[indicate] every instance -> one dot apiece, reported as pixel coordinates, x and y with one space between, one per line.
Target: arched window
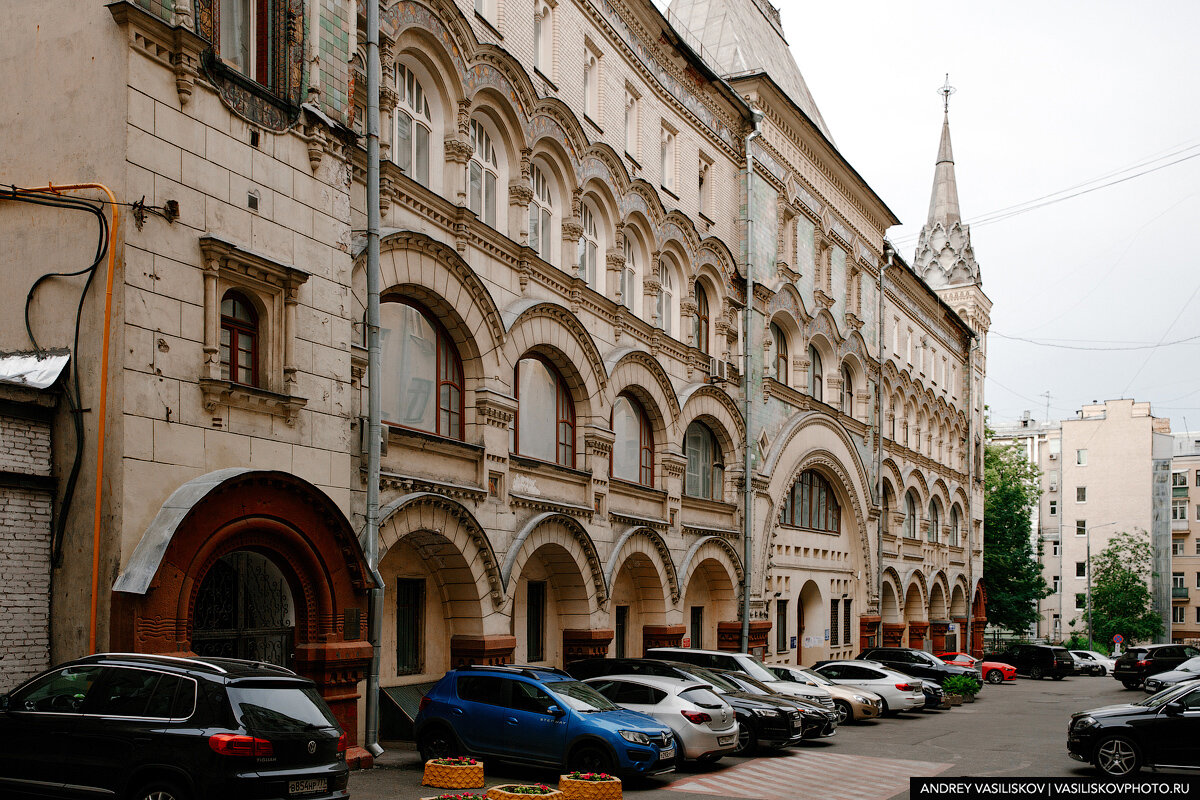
816 374
780 349
589 246
666 298
239 340
423 377
591 85
954 526
483 170
847 392
910 515
705 472
629 276
700 334
633 447
543 37
811 503
934 522
413 126
543 395
541 210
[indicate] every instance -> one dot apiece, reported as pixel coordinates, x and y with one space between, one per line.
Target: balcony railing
1179 593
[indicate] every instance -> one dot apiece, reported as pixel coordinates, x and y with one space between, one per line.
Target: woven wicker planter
453 776
573 789
502 793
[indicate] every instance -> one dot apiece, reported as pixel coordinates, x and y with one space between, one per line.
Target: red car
992 671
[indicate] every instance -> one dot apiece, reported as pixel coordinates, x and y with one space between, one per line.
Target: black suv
917 663
145 727
1037 660
1141 661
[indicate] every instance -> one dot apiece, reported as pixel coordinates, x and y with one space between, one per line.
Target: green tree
1010 567
1121 601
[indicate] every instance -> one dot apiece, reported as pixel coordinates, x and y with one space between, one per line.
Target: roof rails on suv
221 666
528 670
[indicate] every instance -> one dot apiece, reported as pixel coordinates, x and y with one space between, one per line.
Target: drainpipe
374 394
879 528
971 456
748 500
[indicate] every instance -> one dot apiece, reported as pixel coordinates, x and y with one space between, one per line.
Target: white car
705 726
898 691
1094 659
743 662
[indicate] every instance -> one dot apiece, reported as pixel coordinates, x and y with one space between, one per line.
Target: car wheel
1131 684
1117 756
747 742
844 711
590 758
883 708
995 676
437 742
160 790
1103 671
1036 673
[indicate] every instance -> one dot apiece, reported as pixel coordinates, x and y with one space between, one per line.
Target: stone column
491 650
581 643
916 634
868 632
496 411
937 632
893 634
597 447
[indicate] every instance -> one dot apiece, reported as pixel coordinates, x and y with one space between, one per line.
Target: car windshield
1167 695
751 685
815 677
961 658
1191 665
719 682
580 697
756 669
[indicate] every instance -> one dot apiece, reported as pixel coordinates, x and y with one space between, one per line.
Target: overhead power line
1110 347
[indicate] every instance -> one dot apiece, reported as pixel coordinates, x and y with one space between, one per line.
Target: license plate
307 786
724 740
665 753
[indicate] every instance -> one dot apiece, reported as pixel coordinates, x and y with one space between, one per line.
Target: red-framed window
422 371
543 394
633 447
812 504
239 340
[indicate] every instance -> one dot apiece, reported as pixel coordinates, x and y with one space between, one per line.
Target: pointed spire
943 203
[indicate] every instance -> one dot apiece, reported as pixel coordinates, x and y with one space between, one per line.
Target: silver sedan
898 691
705 726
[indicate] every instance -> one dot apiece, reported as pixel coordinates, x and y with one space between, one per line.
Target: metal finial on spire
945 92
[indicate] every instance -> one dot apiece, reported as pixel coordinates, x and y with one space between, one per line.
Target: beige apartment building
566 379
1103 472
1185 538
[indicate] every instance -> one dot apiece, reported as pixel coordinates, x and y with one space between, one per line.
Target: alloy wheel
844 712
1117 756
995 676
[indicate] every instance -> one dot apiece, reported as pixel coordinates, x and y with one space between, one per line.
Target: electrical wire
1119 348
74 403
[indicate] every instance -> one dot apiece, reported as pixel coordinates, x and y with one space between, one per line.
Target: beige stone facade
563 272
1185 539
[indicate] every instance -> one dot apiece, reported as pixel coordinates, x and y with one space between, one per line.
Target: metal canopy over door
244 610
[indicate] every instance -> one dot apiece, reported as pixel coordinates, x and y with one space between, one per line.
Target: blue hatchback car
539 716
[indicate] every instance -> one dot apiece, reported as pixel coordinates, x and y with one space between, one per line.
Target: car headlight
637 737
765 712
858 698
1086 722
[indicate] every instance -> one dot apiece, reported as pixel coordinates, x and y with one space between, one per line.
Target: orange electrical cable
108 287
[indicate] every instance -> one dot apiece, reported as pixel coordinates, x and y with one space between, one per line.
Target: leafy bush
960 684
590 776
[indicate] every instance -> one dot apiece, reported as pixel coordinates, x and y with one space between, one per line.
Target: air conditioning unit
721 371
1054 456
1053 486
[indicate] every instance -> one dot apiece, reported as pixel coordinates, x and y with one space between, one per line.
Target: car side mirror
3 702
556 711
1175 708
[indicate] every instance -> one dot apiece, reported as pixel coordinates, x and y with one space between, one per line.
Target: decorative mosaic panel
806 197
163 9
837 282
543 125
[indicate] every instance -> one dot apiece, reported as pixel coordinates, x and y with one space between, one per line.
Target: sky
1050 96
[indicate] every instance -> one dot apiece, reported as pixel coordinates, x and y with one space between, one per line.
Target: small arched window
955 524
239 340
543 37
422 384
589 246
413 126
934 522
705 473
666 298
780 349
629 276
541 211
816 374
543 395
811 503
633 446
847 392
910 515
482 173
700 334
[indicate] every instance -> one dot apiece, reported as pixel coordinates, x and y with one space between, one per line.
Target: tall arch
557 529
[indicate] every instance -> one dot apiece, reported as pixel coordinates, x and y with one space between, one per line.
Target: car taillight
233 744
696 716
904 687
341 748
1144 662
421 706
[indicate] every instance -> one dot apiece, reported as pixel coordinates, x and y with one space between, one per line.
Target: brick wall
25 515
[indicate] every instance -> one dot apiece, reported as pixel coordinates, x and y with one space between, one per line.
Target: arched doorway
244 609
811 623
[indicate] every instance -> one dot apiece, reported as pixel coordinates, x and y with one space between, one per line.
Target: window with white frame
632 107
847 392
1080 601
1177 580
1081 527
1080 494
780 354
816 374
704 189
1055 549
1177 614
483 170
1177 547
1179 509
955 525
910 515
541 214
1198 546
410 149
666 297
701 320
249 41
1053 508
667 158
1198 516
631 274
1081 457
487 10
589 246
543 38
934 533
1179 479
1080 569
591 85
1055 584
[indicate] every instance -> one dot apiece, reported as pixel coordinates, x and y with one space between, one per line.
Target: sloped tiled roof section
746 36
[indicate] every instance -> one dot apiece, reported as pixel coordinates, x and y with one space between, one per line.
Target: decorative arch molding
941 492
789 301
940 581
855 346
493 68
719 546
627 545
714 253
916 480
439 18
519 553
641 197
890 469
803 421
677 227
552 118
916 576
823 324
576 339
447 517
627 359
704 399
601 162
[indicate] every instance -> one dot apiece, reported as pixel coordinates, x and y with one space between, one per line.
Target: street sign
687 642
793 642
1118 638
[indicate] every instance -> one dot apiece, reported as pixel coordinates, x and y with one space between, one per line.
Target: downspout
748 498
103 404
972 454
374 394
879 528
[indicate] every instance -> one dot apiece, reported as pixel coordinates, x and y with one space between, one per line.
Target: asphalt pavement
1014 729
